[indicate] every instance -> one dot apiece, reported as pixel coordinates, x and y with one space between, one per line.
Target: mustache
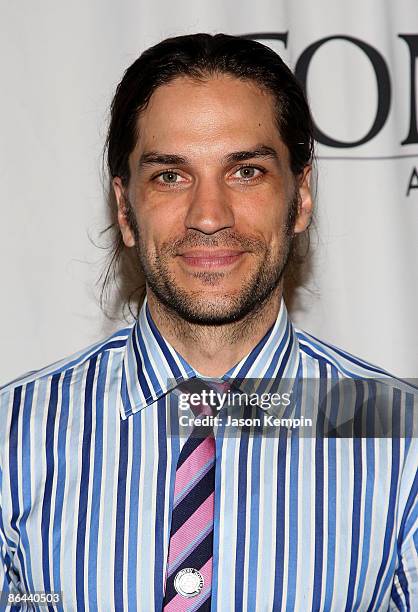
224 239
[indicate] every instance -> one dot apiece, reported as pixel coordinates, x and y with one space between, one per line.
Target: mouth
213 258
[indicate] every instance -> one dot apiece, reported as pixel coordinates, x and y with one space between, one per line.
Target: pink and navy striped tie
189 567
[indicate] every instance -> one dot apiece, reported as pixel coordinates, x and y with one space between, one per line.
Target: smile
211 258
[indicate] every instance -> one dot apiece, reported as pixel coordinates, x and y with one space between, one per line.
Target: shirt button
188 582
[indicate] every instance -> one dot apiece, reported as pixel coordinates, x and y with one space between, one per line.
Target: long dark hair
197 56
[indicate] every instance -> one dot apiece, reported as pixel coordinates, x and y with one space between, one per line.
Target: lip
211 258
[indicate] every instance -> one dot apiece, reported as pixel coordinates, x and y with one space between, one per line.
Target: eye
169 177
248 173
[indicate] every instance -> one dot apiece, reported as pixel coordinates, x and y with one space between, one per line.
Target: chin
211 312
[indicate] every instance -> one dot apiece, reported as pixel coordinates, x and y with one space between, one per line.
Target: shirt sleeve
8 577
404 596
405 585
5 560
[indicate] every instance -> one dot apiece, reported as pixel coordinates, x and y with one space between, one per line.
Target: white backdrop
60 63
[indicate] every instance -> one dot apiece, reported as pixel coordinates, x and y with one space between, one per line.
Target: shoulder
33 405
73 363
319 353
356 393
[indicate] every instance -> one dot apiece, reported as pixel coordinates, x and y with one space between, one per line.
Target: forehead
220 111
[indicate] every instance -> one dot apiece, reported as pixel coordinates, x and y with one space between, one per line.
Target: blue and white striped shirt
88 463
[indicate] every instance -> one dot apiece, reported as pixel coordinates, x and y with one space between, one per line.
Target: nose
209 209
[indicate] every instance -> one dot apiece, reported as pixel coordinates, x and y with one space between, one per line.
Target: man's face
210 192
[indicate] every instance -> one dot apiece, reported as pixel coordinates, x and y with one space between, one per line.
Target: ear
305 207
123 214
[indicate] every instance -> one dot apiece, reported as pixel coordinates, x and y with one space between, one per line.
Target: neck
213 349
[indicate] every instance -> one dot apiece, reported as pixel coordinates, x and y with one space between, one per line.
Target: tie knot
204 397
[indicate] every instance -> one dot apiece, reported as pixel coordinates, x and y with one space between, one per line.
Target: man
110 500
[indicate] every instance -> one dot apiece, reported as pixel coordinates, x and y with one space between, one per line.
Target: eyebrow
153 158
259 151
164 159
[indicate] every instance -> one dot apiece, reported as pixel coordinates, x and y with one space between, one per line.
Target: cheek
156 228
265 216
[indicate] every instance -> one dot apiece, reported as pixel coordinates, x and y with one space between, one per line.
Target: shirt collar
152 367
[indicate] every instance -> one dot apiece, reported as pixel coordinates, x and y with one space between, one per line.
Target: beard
200 307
